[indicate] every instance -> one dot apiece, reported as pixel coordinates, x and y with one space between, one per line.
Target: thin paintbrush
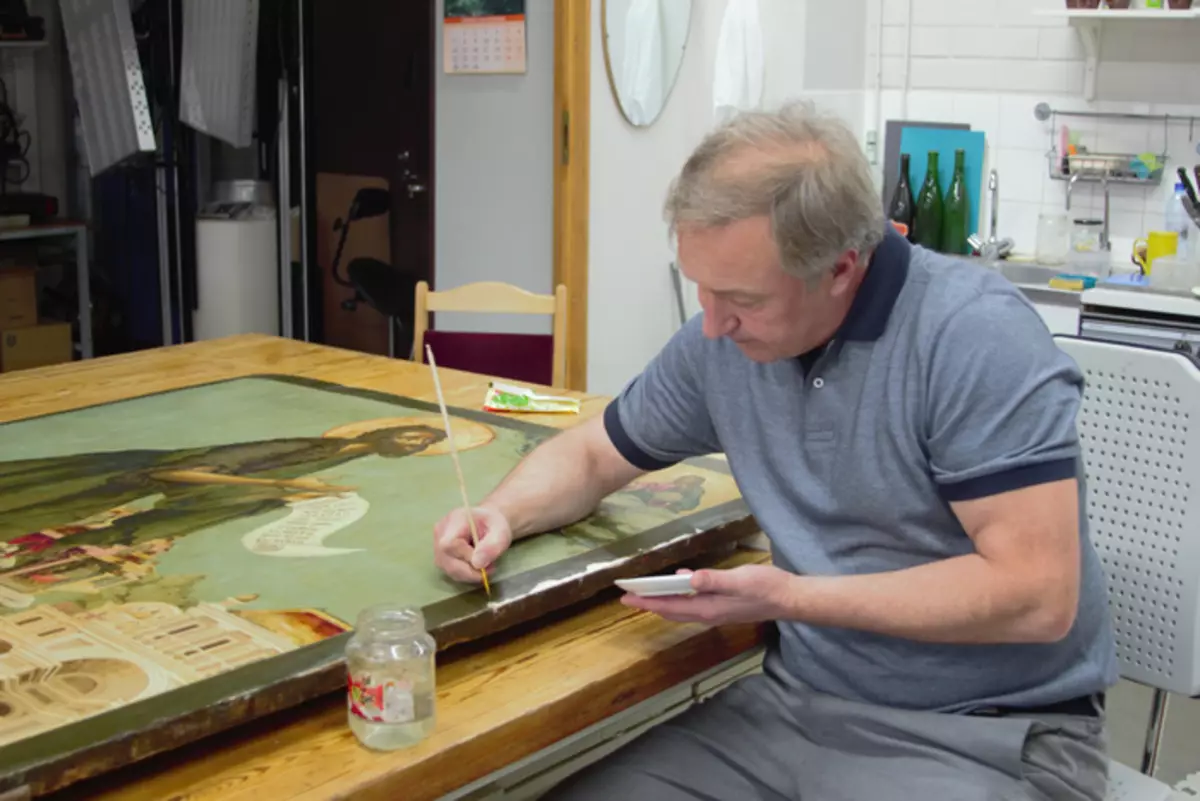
462 482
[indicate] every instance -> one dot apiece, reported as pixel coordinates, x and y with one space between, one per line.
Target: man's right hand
452 548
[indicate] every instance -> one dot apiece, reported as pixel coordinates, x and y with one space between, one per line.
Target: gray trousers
767 737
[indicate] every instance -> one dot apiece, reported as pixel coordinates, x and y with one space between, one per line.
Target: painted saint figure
43 500
680 495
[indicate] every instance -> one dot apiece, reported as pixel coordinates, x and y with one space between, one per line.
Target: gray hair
803 170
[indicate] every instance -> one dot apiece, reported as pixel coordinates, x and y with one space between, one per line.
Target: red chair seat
517 357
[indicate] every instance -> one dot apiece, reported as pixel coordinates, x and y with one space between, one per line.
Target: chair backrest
1140 430
498 298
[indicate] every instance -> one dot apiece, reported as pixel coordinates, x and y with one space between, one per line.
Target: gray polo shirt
941 385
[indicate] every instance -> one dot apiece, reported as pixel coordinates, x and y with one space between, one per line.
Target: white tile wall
987 63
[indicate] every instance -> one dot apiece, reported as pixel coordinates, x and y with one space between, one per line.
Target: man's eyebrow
745 293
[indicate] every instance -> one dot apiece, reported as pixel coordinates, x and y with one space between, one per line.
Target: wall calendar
484 36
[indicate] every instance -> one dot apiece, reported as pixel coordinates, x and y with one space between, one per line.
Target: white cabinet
1059 319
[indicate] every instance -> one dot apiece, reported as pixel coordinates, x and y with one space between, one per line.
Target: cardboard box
18 297
35 346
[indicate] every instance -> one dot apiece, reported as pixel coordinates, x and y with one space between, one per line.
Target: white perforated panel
1126 784
1140 429
217 68
107 74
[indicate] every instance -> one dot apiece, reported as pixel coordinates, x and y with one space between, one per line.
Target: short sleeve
1003 400
661 417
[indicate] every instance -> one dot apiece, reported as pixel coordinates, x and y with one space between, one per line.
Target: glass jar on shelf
390 662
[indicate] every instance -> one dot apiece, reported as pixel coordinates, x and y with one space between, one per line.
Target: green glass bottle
900 210
956 211
927 223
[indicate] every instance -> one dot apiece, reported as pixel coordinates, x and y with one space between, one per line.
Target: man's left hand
746 594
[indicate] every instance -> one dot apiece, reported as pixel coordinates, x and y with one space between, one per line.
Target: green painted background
407 496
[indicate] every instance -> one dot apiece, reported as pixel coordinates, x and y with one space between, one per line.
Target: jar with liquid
1087 255
390 660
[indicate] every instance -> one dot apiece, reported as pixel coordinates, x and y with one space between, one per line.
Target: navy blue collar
872 306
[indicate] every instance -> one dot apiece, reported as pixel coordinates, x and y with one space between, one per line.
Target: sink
1022 273
1027 273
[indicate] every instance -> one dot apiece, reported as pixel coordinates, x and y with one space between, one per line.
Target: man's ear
846 274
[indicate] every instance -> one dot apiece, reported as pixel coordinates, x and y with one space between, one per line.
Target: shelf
1120 15
1090 22
1096 178
19 45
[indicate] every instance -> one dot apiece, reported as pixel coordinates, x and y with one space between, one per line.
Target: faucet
1071 188
993 203
1105 240
995 248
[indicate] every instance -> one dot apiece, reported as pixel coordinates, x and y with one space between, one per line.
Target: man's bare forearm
561 482
961 600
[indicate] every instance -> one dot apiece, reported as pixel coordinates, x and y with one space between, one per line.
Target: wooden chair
533 358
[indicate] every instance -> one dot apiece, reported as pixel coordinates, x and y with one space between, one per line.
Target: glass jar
1085 236
390 662
1087 255
1053 238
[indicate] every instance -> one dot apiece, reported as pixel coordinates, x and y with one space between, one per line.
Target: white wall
494 176
988 63
811 51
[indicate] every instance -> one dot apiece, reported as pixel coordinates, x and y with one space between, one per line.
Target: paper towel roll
237 281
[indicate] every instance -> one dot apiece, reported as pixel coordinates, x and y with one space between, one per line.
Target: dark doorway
370 120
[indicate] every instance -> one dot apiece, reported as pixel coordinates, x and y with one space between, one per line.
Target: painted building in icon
59 664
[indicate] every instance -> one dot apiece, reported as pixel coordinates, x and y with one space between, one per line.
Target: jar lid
390 616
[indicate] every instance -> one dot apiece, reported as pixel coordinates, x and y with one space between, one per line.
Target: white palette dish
651 586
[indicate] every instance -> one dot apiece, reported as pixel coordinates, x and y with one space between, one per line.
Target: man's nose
716 322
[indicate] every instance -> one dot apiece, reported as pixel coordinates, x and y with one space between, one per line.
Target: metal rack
1113 168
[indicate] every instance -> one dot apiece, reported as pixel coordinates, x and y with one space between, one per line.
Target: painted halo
468 434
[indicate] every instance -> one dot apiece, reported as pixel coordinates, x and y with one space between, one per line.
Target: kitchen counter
1059 308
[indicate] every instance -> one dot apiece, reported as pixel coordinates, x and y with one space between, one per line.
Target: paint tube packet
510 398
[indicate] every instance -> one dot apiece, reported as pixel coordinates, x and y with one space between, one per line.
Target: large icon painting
234 530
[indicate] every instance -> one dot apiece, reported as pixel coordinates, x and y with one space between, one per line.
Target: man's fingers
454 552
452 549
461 571
459 550
489 550
455 560
705 581
678 610
720 582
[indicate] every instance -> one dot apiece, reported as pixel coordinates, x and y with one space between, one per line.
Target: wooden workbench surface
498 701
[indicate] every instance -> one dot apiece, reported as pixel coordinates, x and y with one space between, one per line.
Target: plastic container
390 660
1175 274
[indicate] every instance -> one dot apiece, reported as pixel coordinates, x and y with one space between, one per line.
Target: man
902 425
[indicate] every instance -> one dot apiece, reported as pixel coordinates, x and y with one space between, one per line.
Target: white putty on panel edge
592 567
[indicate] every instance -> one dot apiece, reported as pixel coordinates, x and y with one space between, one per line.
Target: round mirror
644 42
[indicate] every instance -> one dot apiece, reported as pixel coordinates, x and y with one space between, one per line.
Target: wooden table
499 701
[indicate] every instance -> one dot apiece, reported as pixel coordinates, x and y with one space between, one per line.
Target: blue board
917 142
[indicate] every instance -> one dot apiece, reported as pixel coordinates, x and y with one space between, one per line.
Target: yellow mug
1155 245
